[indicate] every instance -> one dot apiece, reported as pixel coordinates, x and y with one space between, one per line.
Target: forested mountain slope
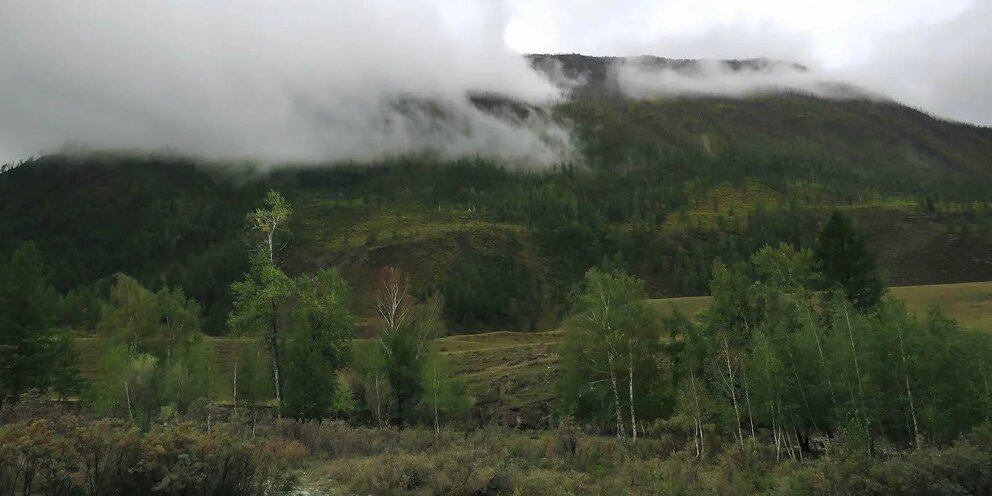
660 186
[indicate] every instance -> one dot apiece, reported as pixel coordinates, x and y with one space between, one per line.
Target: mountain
660 185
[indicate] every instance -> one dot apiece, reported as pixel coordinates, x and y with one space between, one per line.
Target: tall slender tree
262 300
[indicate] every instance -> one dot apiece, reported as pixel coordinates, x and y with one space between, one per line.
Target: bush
63 456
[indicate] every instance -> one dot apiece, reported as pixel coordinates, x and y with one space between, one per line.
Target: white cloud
297 80
641 78
302 80
942 68
930 54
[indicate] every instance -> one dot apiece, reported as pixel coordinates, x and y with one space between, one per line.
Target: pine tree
845 262
28 349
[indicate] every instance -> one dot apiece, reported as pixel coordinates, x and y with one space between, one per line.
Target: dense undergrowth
45 450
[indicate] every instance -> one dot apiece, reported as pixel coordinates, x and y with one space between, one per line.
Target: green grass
970 304
689 305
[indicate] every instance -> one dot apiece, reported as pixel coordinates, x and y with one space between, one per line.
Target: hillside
662 186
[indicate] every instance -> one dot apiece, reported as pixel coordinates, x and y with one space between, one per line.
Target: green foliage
404 350
444 397
319 347
305 323
167 221
262 298
370 361
660 204
775 355
262 305
81 306
268 220
65 378
254 383
153 353
612 352
845 262
500 290
404 379
30 349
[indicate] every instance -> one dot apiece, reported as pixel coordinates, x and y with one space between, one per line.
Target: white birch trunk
437 385
630 389
733 393
621 432
700 447
819 350
909 390
235 389
747 399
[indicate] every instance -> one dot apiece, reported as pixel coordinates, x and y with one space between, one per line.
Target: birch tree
269 220
414 373
611 346
690 350
152 352
262 304
261 299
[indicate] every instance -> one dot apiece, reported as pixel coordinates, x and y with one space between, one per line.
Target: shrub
63 456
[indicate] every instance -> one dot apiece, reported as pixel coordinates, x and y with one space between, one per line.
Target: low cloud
301 80
649 77
941 68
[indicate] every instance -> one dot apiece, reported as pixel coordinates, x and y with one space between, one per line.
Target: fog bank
300 80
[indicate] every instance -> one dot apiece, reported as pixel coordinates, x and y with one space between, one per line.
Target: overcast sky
931 54
318 79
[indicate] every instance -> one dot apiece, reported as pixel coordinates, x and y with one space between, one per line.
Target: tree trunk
909 390
700 448
799 384
127 396
778 445
272 250
819 350
733 393
378 402
276 359
854 350
235 391
630 389
747 399
621 432
437 385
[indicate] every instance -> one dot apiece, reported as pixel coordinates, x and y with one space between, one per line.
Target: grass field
970 304
512 374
